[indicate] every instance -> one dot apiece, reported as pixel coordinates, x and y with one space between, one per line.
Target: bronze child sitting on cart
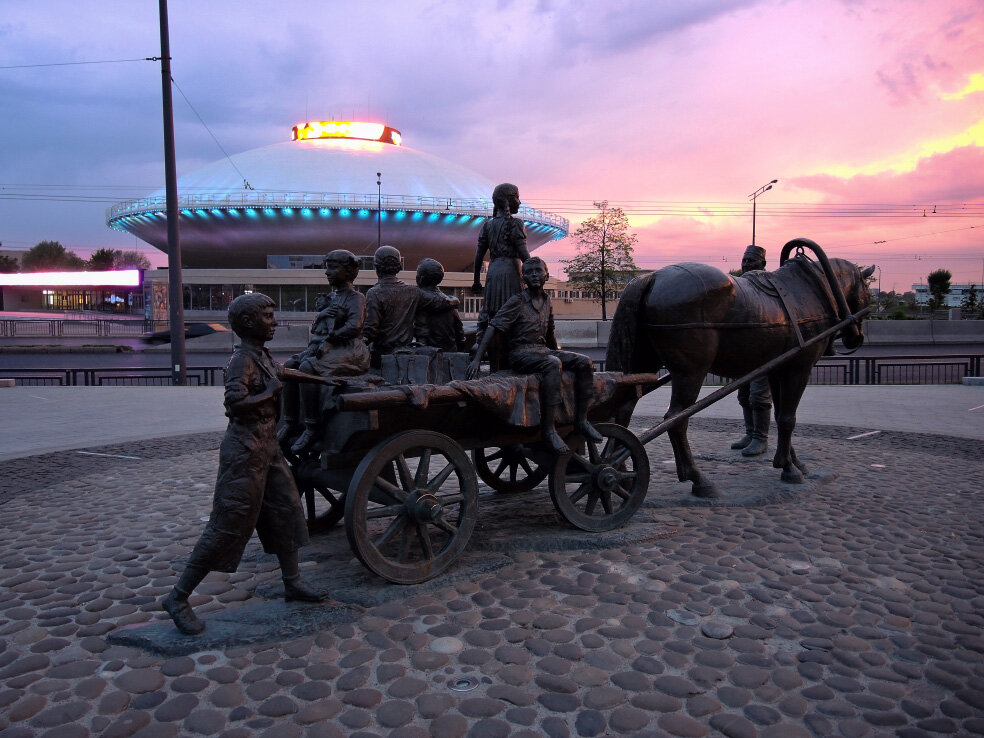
336 350
526 320
254 489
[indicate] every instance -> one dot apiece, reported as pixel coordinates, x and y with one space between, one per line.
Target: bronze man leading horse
694 319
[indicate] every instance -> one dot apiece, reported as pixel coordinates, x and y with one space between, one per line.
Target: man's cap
756 252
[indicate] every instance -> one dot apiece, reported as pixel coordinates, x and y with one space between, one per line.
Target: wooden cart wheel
515 468
599 486
411 531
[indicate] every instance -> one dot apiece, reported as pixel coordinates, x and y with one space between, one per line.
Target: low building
954 298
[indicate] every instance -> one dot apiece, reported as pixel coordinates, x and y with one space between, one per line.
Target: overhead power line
72 64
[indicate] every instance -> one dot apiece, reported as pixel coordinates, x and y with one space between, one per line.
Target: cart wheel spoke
496 455
387 489
593 452
423 468
440 478
385 512
397 524
512 473
523 462
423 535
580 492
403 469
606 502
501 465
443 524
592 501
622 492
404 545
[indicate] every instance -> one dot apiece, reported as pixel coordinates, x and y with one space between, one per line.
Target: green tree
8 265
604 254
938 282
132 259
971 301
51 256
103 260
106 259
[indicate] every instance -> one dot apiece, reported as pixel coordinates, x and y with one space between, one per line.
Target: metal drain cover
462 684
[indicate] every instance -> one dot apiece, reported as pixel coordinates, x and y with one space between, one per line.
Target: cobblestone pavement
851 605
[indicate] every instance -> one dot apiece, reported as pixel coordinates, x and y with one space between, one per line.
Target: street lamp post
379 209
754 197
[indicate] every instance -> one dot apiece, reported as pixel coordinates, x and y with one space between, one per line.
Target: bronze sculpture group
739 323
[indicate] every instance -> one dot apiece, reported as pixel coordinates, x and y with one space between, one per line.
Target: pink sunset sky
869 114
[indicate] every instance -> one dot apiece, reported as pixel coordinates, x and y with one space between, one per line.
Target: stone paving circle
851 605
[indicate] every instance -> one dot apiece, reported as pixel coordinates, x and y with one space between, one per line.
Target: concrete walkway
46 419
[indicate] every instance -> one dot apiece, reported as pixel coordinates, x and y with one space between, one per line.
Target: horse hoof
792 476
706 491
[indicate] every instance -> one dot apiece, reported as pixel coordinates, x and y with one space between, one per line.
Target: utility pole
754 196
175 286
604 234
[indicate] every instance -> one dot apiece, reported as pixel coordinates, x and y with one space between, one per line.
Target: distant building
956 295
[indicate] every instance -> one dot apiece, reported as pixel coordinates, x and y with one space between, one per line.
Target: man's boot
749 429
760 433
548 426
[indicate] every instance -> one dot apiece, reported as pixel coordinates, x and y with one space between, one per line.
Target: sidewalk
45 419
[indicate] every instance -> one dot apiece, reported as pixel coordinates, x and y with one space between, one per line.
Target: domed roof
339 166
311 195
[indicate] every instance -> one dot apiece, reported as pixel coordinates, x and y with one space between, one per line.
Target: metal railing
943 369
74 328
202 376
280 200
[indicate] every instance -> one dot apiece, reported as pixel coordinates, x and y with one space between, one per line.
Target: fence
71 328
942 369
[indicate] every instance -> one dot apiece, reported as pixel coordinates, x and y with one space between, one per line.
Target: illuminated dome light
347 129
428 206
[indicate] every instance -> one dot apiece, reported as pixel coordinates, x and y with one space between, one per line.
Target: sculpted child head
246 309
430 273
387 260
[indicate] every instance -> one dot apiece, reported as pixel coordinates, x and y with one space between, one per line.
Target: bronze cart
395 467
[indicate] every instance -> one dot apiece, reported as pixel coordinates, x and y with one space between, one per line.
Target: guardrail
847 370
201 376
75 328
833 370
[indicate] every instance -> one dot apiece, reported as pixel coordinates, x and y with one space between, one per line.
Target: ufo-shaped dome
312 195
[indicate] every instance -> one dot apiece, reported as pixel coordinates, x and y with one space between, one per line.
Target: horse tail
623 341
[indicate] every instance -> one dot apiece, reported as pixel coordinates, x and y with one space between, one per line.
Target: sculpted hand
474 369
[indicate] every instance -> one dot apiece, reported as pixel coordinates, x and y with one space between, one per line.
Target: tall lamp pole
753 197
175 286
379 209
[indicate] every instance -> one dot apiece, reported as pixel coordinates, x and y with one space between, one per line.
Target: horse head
853 281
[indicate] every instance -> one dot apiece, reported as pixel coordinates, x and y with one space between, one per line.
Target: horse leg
787 390
686 389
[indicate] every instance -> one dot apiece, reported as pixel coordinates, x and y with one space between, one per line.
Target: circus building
271 207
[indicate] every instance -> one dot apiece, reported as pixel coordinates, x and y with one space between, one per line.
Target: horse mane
623 339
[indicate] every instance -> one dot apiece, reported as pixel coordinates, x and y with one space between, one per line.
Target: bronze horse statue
694 319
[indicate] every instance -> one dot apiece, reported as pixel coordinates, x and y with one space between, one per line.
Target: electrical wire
246 184
70 64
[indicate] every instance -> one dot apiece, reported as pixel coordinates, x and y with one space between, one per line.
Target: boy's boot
295 588
176 603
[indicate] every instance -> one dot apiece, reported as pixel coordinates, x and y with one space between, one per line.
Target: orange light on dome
346 129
